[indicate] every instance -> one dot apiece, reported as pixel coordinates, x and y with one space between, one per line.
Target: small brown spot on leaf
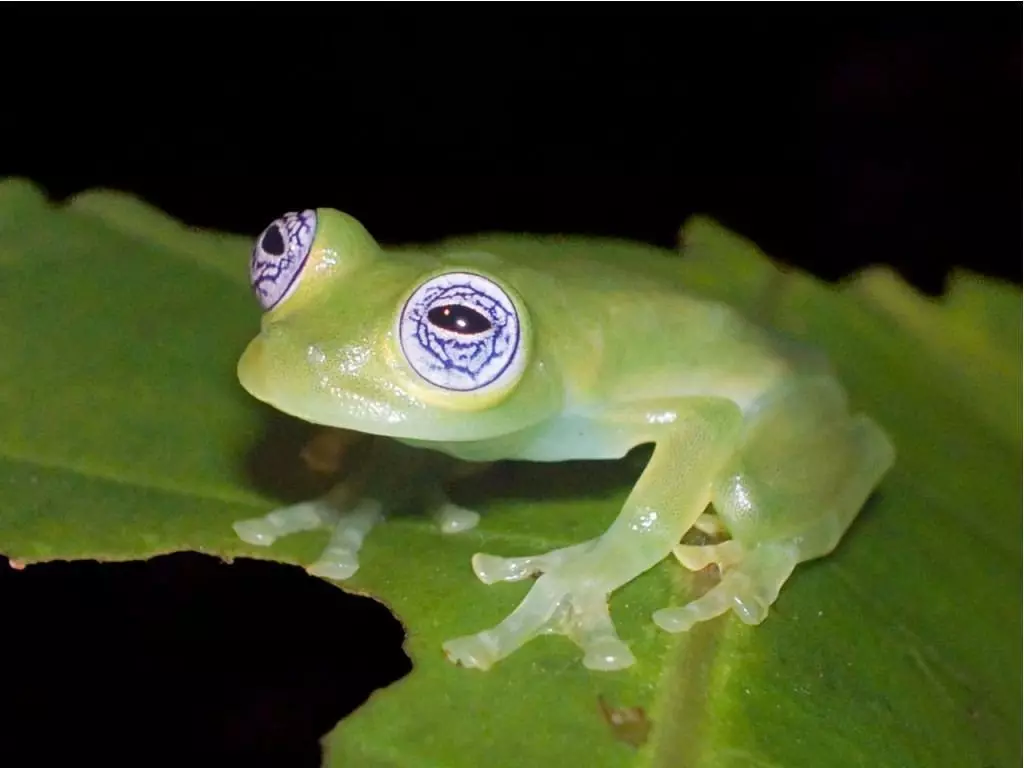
628 724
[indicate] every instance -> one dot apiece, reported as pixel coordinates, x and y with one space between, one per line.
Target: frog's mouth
293 388
299 381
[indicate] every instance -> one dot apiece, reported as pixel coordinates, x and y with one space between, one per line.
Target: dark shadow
534 481
184 660
273 464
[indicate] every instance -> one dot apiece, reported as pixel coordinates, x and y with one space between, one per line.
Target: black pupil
458 319
273 242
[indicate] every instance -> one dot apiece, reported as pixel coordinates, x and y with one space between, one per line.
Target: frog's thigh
803 471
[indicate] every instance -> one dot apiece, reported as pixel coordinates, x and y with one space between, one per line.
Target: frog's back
617 318
577 261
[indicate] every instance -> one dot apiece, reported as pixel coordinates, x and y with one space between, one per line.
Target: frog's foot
575 609
565 600
750 582
340 559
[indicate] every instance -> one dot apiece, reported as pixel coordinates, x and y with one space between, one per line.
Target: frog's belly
579 435
562 439
582 436
575 437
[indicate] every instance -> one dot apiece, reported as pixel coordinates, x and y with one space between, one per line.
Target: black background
835 136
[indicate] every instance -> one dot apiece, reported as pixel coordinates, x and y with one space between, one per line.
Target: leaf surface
124 434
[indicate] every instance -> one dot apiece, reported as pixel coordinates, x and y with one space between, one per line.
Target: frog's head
398 343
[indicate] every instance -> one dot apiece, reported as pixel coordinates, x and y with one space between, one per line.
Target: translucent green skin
618 355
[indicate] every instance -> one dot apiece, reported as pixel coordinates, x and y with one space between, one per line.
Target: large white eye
279 255
461 331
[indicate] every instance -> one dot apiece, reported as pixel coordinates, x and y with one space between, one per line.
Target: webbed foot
568 599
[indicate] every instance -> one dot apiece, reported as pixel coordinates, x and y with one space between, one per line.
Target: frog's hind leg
801 475
571 595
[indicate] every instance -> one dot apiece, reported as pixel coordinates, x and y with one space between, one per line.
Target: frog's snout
251 368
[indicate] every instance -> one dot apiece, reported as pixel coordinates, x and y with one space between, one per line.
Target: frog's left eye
461 332
279 255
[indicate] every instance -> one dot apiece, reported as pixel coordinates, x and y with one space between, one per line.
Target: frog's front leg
693 440
362 500
801 474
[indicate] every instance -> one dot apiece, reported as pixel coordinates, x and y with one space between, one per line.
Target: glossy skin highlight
608 354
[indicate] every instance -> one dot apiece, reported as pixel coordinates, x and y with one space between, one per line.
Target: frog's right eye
279 256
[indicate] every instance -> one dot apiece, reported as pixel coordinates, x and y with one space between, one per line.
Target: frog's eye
461 332
279 255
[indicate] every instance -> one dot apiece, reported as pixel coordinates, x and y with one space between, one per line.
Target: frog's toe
491 569
256 531
307 516
477 651
717 601
451 518
340 560
589 625
735 591
336 565
608 656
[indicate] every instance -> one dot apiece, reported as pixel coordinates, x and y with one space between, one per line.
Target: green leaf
124 433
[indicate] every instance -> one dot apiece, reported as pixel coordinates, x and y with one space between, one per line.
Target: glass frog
540 350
